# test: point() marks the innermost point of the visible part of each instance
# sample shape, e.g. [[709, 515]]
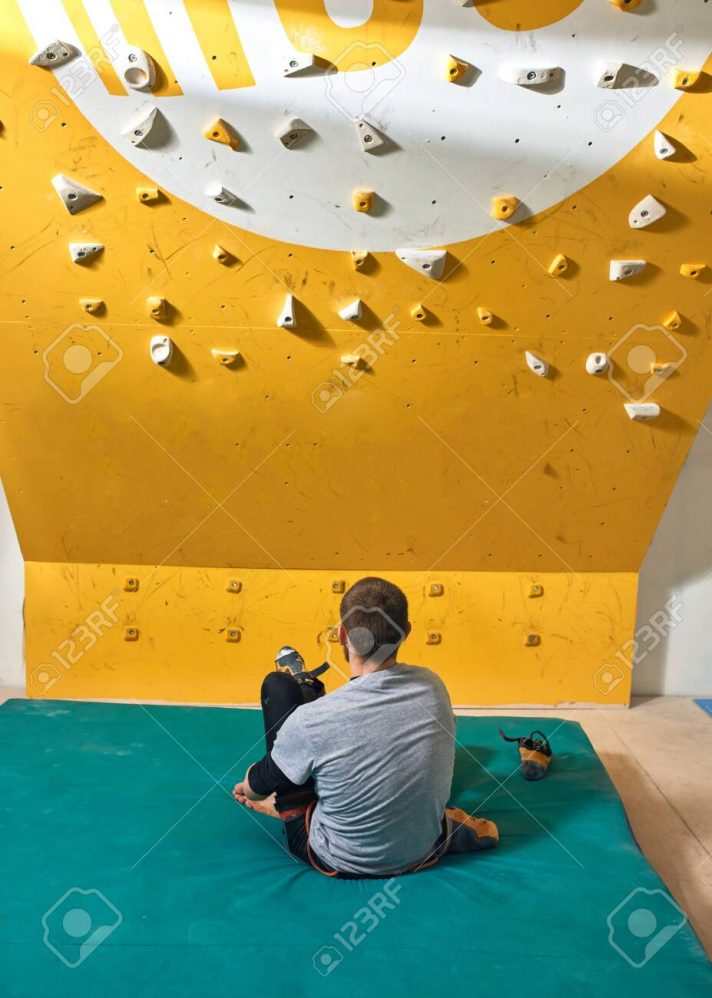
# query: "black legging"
[[280, 695]]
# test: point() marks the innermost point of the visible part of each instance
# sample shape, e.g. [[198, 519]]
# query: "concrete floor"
[[658, 755]]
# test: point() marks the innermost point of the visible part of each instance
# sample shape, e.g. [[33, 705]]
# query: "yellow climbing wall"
[[179, 523]]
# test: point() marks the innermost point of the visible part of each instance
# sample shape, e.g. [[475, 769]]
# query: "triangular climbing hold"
[[220, 131]]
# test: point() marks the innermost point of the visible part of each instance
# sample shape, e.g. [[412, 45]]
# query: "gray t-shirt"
[[381, 751]]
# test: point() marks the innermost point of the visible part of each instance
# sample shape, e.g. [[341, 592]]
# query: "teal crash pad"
[[129, 870]]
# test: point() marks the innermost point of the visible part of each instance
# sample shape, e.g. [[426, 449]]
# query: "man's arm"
[[260, 780]]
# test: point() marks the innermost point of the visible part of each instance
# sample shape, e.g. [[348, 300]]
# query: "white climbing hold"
[[53, 55], [528, 76], [141, 129], [136, 68], [291, 132], [646, 212], [640, 411], [352, 312], [428, 262], [161, 350], [664, 148], [75, 196], [597, 363], [287, 318], [369, 137], [621, 269], [298, 62], [222, 195], [536, 364], [82, 251], [612, 75]]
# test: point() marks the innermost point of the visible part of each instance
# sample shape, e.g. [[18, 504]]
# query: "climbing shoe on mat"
[[535, 753]]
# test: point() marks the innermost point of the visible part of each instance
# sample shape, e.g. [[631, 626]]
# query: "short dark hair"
[[374, 614]]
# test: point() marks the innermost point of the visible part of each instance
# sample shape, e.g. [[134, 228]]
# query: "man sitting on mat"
[[361, 777]]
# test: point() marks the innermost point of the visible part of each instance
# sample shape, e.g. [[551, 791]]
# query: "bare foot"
[[265, 806]]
